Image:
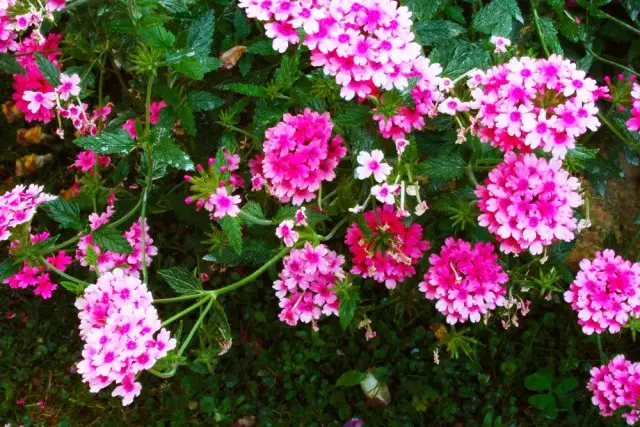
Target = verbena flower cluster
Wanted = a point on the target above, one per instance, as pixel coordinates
(527, 203)
(466, 280)
(528, 104)
(633, 123)
(605, 293)
(214, 186)
(299, 154)
(389, 250)
(615, 386)
(306, 285)
(19, 205)
(122, 334)
(15, 20)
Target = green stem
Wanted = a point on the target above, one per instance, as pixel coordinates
(186, 342)
(603, 355)
(471, 175)
(63, 245)
(236, 129)
(147, 187)
(320, 197)
(619, 22)
(251, 277)
(607, 61)
(127, 215)
(253, 219)
(184, 312)
(180, 298)
(334, 230)
(613, 129)
(62, 273)
(536, 19)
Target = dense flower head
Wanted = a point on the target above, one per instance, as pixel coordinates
(391, 251)
(122, 334)
(466, 280)
(605, 292)
(214, 185)
(130, 263)
(633, 124)
(527, 203)
(299, 154)
(16, 18)
(306, 285)
(18, 206)
(85, 161)
(616, 385)
(528, 104)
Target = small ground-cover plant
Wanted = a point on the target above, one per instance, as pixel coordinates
(353, 158)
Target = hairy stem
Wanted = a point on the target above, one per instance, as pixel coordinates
(186, 342)
(149, 178)
(536, 19)
(62, 273)
(184, 312)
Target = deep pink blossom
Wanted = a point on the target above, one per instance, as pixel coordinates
(19, 205)
(466, 280)
(615, 386)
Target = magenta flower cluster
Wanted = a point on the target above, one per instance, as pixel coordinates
(527, 203)
(14, 20)
(389, 256)
(615, 386)
(299, 154)
(306, 285)
(634, 122)
(18, 206)
(529, 104)
(466, 280)
(605, 293)
(122, 334)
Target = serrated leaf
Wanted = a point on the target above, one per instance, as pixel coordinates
(549, 35)
(496, 18)
(200, 34)
(8, 64)
(174, 6)
(7, 269)
(187, 120)
(430, 32)
(107, 143)
(288, 72)
(424, 9)
(245, 89)
(251, 214)
(349, 298)
(233, 230)
(191, 68)
(219, 321)
(350, 378)
(76, 288)
(254, 253)
(157, 36)
(262, 47)
(168, 152)
(64, 212)
(354, 115)
(181, 281)
(48, 70)
(459, 56)
(241, 25)
(111, 239)
(203, 101)
(445, 167)
(92, 257)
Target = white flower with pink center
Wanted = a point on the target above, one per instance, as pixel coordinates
(38, 100)
(501, 44)
(285, 232)
(69, 86)
(385, 193)
(372, 164)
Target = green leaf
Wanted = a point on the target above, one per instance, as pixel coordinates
(181, 281)
(241, 25)
(430, 32)
(111, 239)
(459, 56)
(48, 70)
(92, 257)
(233, 230)
(244, 89)
(76, 288)
(633, 7)
(122, 170)
(549, 35)
(496, 18)
(7, 269)
(108, 143)
(288, 72)
(64, 212)
(207, 405)
(254, 253)
(251, 214)
(219, 321)
(546, 404)
(456, 13)
(350, 378)
(168, 152)
(191, 68)
(424, 9)
(187, 120)
(203, 101)
(567, 385)
(445, 167)
(157, 36)
(174, 6)
(200, 34)
(355, 115)
(262, 47)
(349, 297)
(8, 64)
(540, 381)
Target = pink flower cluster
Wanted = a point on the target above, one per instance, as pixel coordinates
(299, 154)
(528, 104)
(527, 203)
(118, 324)
(130, 263)
(37, 276)
(616, 385)
(634, 122)
(389, 256)
(14, 20)
(155, 107)
(306, 284)
(605, 293)
(86, 160)
(19, 205)
(224, 180)
(466, 280)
